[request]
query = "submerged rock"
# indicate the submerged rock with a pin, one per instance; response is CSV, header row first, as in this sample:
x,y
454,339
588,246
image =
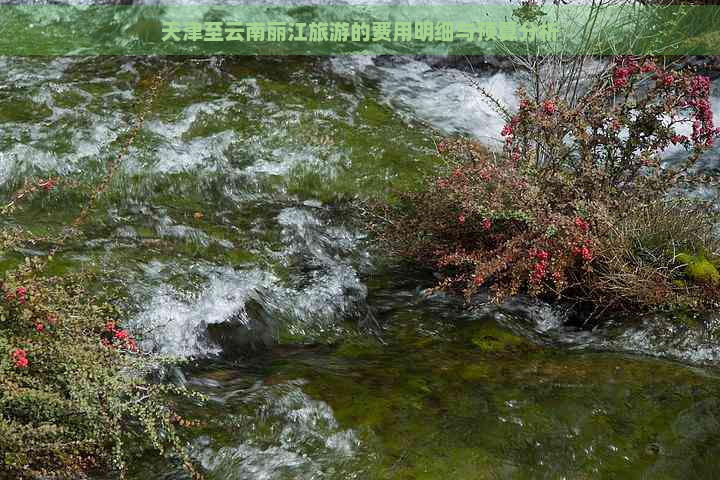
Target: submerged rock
x,y
690,338
489,338
693,340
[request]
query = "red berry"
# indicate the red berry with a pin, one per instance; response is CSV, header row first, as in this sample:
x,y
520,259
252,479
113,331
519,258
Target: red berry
x,y
549,107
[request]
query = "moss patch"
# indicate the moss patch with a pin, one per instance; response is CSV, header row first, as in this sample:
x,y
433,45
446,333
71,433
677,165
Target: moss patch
x,y
490,338
699,269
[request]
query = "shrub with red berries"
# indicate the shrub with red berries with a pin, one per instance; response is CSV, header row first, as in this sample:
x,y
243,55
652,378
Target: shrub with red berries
x,y
613,139
486,222
19,358
64,383
577,204
77,398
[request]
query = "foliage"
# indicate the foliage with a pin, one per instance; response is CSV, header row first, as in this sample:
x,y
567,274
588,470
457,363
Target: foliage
x,y
487,221
578,204
648,255
74,393
612,140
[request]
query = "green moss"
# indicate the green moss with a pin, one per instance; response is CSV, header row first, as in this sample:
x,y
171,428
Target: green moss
x,y
374,114
23,110
490,338
475,372
686,316
704,272
471,463
10,260
68,99
306,183
699,269
145,232
240,257
358,348
96,89
419,385
62,265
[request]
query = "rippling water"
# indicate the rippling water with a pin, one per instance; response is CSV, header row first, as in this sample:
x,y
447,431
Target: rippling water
x,y
232,227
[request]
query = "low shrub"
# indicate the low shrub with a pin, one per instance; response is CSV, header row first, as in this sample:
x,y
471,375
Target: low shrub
x,y
578,204
74,390
487,221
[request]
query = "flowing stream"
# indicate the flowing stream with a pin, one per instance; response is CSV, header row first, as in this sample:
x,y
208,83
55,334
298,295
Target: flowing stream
x,y
233,229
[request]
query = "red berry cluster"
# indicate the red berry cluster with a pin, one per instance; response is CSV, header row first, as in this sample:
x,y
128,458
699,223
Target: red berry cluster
x,y
48,184
543,258
696,91
583,251
114,336
19,357
20,294
582,224
698,99
625,67
549,107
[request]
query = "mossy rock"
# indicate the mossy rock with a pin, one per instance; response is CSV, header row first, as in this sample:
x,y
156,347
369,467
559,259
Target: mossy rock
x,y
493,339
699,269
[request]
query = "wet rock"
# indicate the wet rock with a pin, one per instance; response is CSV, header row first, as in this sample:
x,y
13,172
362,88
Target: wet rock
x,y
694,339
691,340
489,338
472,63
246,332
653,449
